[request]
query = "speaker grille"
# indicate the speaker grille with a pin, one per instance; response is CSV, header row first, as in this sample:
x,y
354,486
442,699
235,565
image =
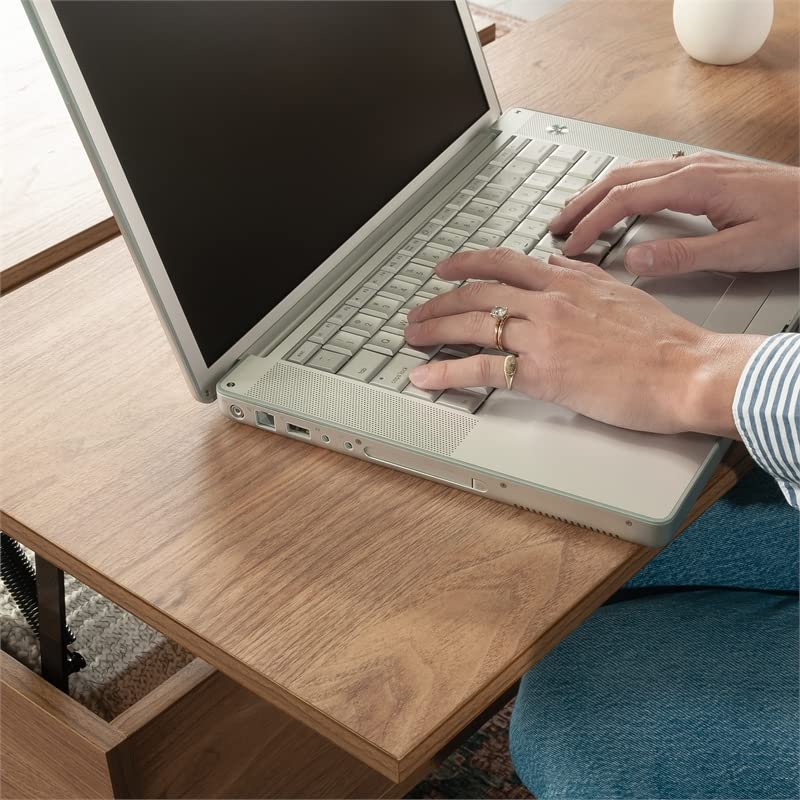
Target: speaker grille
x,y
373,412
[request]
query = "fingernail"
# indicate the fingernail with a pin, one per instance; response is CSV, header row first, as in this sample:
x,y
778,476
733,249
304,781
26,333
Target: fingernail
x,y
639,260
418,376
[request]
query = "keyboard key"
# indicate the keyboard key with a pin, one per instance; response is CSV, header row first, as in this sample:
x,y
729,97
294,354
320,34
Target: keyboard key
x,y
567,152
541,181
569,183
536,151
431,256
477,209
444,215
551,244
304,352
527,194
363,324
397,324
435,287
412,246
394,376
590,166
474,186
542,255
327,360
399,290
484,390
458,201
544,213
554,166
448,240
459,350
463,224
324,332
493,196
361,297
364,365
520,167
379,278
501,225
612,235
382,307
425,353
385,342
522,244
506,180
461,399
488,171
595,253
416,300
395,262
483,238
415,273
430,228
345,342
423,394
531,228
346,311
557,198
511,209
502,157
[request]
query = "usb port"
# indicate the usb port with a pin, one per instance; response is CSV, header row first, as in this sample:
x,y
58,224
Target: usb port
x,y
296,430
265,420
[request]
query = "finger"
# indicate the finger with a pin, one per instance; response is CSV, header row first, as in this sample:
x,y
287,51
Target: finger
x,y
685,190
473,327
729,250
456,373
478,296
588,197
497,264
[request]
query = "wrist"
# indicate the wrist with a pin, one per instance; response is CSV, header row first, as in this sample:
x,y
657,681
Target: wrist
x,y
712,377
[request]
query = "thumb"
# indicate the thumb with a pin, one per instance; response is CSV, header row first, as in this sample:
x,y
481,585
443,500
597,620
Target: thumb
x,y
728,250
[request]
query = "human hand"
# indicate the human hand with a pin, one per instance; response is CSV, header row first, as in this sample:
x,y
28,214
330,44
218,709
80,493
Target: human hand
x,y
584,340
755,208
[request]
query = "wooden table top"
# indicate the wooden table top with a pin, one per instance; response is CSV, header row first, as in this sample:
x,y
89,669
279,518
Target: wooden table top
x,y
383,610
52,205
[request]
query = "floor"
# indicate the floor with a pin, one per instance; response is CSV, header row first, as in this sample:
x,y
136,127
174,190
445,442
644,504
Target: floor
x,y
524,9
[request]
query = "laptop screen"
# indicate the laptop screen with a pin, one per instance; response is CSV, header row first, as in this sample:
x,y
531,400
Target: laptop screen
x,y
257,137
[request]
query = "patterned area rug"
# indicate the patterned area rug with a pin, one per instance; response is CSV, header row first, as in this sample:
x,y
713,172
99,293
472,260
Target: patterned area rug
x,y
480,768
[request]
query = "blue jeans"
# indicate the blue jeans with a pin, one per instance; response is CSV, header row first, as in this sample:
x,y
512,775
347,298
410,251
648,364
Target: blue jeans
x,y
689,694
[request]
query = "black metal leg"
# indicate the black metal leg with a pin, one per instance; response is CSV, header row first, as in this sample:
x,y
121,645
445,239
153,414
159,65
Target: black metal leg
x,y
52,623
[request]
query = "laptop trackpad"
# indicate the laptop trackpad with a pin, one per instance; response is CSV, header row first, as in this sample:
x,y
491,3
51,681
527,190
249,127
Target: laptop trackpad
x,y
692,295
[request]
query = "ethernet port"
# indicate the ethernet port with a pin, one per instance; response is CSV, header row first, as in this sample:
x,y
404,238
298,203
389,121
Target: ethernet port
x,y
265,420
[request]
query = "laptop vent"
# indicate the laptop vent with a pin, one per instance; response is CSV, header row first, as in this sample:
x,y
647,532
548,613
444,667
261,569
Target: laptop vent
x,y
373,412
568,521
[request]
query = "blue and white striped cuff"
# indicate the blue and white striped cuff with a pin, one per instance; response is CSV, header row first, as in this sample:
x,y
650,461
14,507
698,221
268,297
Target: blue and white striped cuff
x,y
766,410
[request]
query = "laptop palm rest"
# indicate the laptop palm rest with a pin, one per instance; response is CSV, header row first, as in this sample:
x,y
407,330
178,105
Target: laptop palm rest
x,y
721,302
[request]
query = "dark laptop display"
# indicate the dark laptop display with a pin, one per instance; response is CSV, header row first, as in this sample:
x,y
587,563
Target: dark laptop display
x,y
258,136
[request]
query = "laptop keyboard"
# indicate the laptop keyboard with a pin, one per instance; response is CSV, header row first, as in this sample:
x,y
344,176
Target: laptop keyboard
x,y
508,202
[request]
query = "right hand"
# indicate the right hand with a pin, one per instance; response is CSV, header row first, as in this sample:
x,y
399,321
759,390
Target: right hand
x,y
755,208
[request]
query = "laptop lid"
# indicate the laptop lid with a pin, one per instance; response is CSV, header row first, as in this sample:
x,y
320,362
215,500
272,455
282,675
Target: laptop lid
x,y
246,147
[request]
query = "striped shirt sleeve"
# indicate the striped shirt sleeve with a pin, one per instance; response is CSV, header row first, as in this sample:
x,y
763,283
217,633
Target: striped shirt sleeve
x,y
766,410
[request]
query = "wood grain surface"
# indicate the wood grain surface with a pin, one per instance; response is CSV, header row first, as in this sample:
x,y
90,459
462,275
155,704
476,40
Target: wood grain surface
x,y
383,610
52,205
619,63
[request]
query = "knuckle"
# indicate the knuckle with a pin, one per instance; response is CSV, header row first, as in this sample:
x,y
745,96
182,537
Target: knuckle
x,y
499,256
619,195
677,256
475,324
704,157
472,291
484,364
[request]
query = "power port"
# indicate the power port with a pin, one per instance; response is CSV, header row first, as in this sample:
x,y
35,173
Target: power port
x,y
296,430
265,420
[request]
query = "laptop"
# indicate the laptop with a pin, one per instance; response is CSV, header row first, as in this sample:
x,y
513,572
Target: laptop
x,y
288,174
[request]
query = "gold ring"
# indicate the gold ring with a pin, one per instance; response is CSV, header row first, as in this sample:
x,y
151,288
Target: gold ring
x,y
510,369
499,315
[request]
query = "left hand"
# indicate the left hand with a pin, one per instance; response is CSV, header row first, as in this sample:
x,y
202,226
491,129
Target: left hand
x,y
584,340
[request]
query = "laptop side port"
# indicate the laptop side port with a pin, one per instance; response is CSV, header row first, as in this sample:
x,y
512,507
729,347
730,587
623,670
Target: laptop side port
x,y
296,430
265,420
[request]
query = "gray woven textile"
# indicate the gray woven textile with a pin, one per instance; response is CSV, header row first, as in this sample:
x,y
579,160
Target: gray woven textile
x,y
125,659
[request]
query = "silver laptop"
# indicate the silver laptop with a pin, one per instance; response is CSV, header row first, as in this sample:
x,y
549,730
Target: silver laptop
x,y
287,175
